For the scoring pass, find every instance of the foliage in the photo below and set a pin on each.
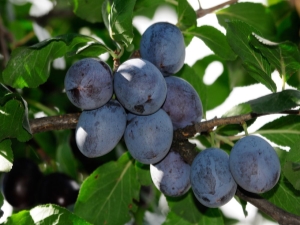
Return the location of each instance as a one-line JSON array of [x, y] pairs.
[[259, 40]]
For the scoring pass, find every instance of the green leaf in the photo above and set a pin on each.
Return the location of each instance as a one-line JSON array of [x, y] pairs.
[[45, 214], [6, 156], [91, 49], [238, 34], [256, 15], [284, 131], [189, 209], [285, 56], [214, 39], [64, 155], [186, 15], [89, 10], [174, 219], [291, 167], [143, 173], [106, 196], [30, 67], [120, 21]]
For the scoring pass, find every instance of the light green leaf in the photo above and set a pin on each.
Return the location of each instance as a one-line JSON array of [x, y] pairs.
[[143, 173], [89, 10], [106, 196], [186, 15], [254, 14], [238, 34], [120, 21], [285, 56], [284, 131], [214, 39], [30, 67], [6, 156], [291, 168], [174, 219], [45, 214]]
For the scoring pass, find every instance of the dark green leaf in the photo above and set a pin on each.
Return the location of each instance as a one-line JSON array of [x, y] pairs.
[[89, 10], [174, 219], [6, 156], [106, 196], [186, 15], [243, 203], [284, 131], [214, 39], [254, 14], [93, 49], [290, 169], [120, 21], [238, 34], [143, 173], [285, 56], [29, 67], [45, 214]]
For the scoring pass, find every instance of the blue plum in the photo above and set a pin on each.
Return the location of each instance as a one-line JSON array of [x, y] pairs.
[[163, 45], [149, 138], [89, 83], [182, 103], [254, 164], [171, 175], [139, 86], [211, 180], [98, 131]]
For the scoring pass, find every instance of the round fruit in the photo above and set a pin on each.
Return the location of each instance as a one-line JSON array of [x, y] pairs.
[[98, 131], [254, 164], [59, 189], [163, 45], [89, 83], [211, 180], [171, 175], [149, 138], [139, 86], [20, 185], [182, 103]]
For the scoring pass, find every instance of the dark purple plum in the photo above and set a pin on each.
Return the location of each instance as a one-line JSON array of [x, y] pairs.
[[89, 83], [171, 175], [182, 103], [163, 45], [20, 184], [211, 180], [149, 138], [58, 188], [139, 86], [98, 131], [254, 164]]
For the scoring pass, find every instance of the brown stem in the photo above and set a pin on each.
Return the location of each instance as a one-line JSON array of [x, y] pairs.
[[202, 12]]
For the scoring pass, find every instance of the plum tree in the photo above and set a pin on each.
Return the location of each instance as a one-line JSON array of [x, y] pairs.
[[149, 138], [182, 103], [98, 131], [20, 185], [139, 86], [171, 175], [58, 188], [211, 179], [163, 45], [254, 164], [89, 83]]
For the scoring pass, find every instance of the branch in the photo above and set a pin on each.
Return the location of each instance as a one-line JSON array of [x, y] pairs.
[[202, 12]]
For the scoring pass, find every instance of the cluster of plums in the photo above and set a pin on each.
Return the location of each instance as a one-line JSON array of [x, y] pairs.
[[25, 186], [149, 104]]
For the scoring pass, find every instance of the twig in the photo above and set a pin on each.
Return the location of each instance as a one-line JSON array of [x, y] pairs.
[[202, 12]]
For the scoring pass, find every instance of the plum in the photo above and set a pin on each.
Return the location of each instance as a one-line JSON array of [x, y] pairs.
[[149, 138], [89, 83], [163, 45], [182, 103], [254, 164], [211, 180], [171, 175], [139, 86], [98, 131]]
